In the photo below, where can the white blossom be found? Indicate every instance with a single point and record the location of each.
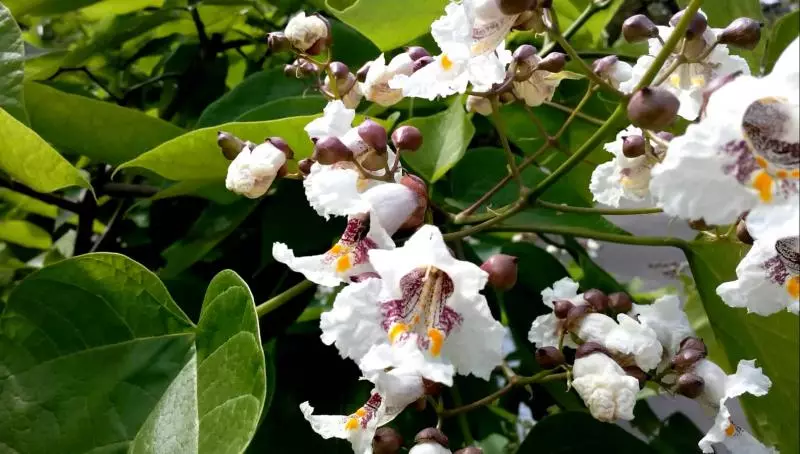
(666, 318)
(429, 447)
(604, 386)
(376, 85)
(251, 173)
(541, 85)
(304, 31)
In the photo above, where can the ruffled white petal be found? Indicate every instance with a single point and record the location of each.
(303, 31)
(353, 324)
(604, 386)
(623, 182)
(334, 191)
(335, 121)
(666, 318)
(633, 338)
(251, 173)
(429, 448)
(408, 356)
(562, 289)
(476, 346)
(376, 84)
(330, 426)
(546, 332)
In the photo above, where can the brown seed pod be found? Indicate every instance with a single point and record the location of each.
(281, 144)
(590, 348)
(743, 32)
(561, 308)
(639, 28)
(685, 359)
(653, 108)
(373, 134)
(554, 62)
(690, 385)
(230, 145)
(407, 138)
(330, 150)
(636, 373)
(502, 270)
(417, 52)
(693, 343)
(549, 357)
(432, 435)
(386, 441)
(620, 302)
(304, 165)
(577, 313)
(697, 26)
(514, 7)
(634, 146)
(597, 299)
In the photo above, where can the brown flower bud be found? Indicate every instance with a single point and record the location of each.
(597, 299)
(290, 71)
(420, 189)
(639, 28)
(524, 52)
(653, 108)
(590, 348)
(386, 441)
(554, 62)
(694, 343)
(603, 65)
(407, 138)
(281, 144)
(576, 314)
(361, 74)
(373, 134)
(697, 26)
(421, 63)
(742, 234)
(743, 32)
(620, 302)
(502, 271)
(417, 52)
(305, 165)
(278, 42)
(432, 435)
(339, 70)
(633, 146)
(665, 136)
(513, 7)
(690, 385)
(636, 373)
(685, 359)
(330, 150)
(230, 145)
(549, 357)
(470, 450)
(561, 308)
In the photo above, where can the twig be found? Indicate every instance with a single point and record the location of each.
(579, 22)
(580, 115)
(603, 211)
(128, 190)
(52, 199)
(283, 298)
(501, 131)
(92, 77)
(83, 239)
(595, 235)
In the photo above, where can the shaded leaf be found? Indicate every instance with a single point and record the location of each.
(11, 66)
(45, 7)
(785, 30)
(291, 106)
(677, 435)
(579, 433)
(24, 234)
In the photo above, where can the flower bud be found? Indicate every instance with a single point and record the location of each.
(693, 343)
(281, 144)
(577, 313)
(330, 150)
(603, 65)
(620, 302)
(278, 42)
(697, 26)
(698, 224)
(230, 145)
(514, 7)
(361, 74)
(339, 70)
(432, 435)
(502, 271)
(524, 53)
(639, 28)
(417, 52)
(420, 189)
(636, 373)
(742, 234)
(386, 441)
(653, 108)
(373, 135)
(597, 299)
(549, 357)
(309, 34)
(685, 359)
(743, 32)
(589, 348)
(633, 146)
(421, 63)
(554, 62)
(690, 385)
(305, 165)
(291, 71)
(470, 450)
(479, 104)
(561, 308)
(407, 138)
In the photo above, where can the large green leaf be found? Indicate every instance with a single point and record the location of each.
(579, 433)
(102, 131)
(26, 157)
(95, 356)
(11, 66)
(772, 341)
(45, 7)
(446, 136)
(27, 204)
(25, 234)
(292, 106)
(786, 30)
(390, 24)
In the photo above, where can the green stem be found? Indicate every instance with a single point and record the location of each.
(283, 298)
(462, 418)
(501, 131)
(579, 22)
(594, 235)
(604, 211)
(569, 110)
(586, 96)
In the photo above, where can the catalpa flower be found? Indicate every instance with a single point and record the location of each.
(768, 277)
(425, 305)
(470, 35)
(306, 31)
(252, 172)
(745, 153)
(608, 392)
(688, 81)
(667, 319)
(376, 84)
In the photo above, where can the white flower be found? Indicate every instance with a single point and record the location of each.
(743, 154)
(689, 80)
(377, 214)
(625, 182)
(304, 31)
(718, 388)
(617, 73)
(430, 447)
(666, 318)
(546, 329)
(768, 277)
(352, 98)
(604, 386)
(251, 173)
(541, 85)
(376, 85)
(635, 339)
(335, 121)
(479, 104)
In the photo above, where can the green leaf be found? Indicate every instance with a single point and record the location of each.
(390, 24)
(27, 158)
(45, 7)
(677, 435)
(102, 131)
(785, 30)
(28, 204)
(446, 137)
(292, 106)
(97, 357)
(11, 66)
(24, 234)
(772, 341)
(255, 91)
(579, 433)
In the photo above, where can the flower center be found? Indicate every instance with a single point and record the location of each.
(364, 415)
(422, 310)
(784, 268)
(446, 63)
(351, 249)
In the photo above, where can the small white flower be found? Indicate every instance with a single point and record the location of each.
(768, 277)
(625, 182)
(251, 173)
(479, 104)
(635, 339)
(430, 447)
(744, 153)
(689, 80)
(541, 85)
(376, 85)
(604, 386)
(335, 121)
(546, 330)
(617, 73)
(352, 98)
(666, 318)
(304, 31)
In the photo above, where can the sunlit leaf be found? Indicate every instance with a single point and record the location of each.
(24, 234)
(11, 64)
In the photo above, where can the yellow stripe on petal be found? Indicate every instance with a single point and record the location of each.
(793, 287)
(352, 424)
(336, 249)
(762, 162)
(763, 184)
(730, 430)
(446, 63)
(437, 339)
(396, 330)
(361, 412)
(343, 264)
(698, 81)
(796, 173)
(675, 80)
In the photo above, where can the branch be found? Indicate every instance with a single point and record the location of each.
(594, 235)
(501, 131)
(60, 202)
(567, 109)
(579, 22)
(83, 239)
(603, 211)
(283, 298)
(128, 190)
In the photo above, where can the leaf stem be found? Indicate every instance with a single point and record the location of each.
(576, 25)
(570, 110)
(603, 211)
(52, 199)
(499, 124)
(282, 298)
(594, 235)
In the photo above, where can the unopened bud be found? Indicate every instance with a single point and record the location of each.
(690, 385)
(653, 108)
(636, 373)
(620, 302)
(639, 28)
(685, 359)
(230, 145)
(281, 144)
(693, 343)
(743, 32)
(524, 53)
(386, 441)
(590, 348)
(502, 271)
(597, 299)
(633, 146)
(421, 63)
(549, 357)
(339, 70)
(742, 234)
(479, 104)
(361, 74)
(420, 189)
(278, 42)
(432, 435)
(470, 450)
(373, 134)
(330, 150)
(305, 165)
(407, 138)
(514, 7)
(554, 62)
(542, 4)
(417, 52)
(603, 65)
(561, 308)
(290, 71)
(576, 314)
(697, 26)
